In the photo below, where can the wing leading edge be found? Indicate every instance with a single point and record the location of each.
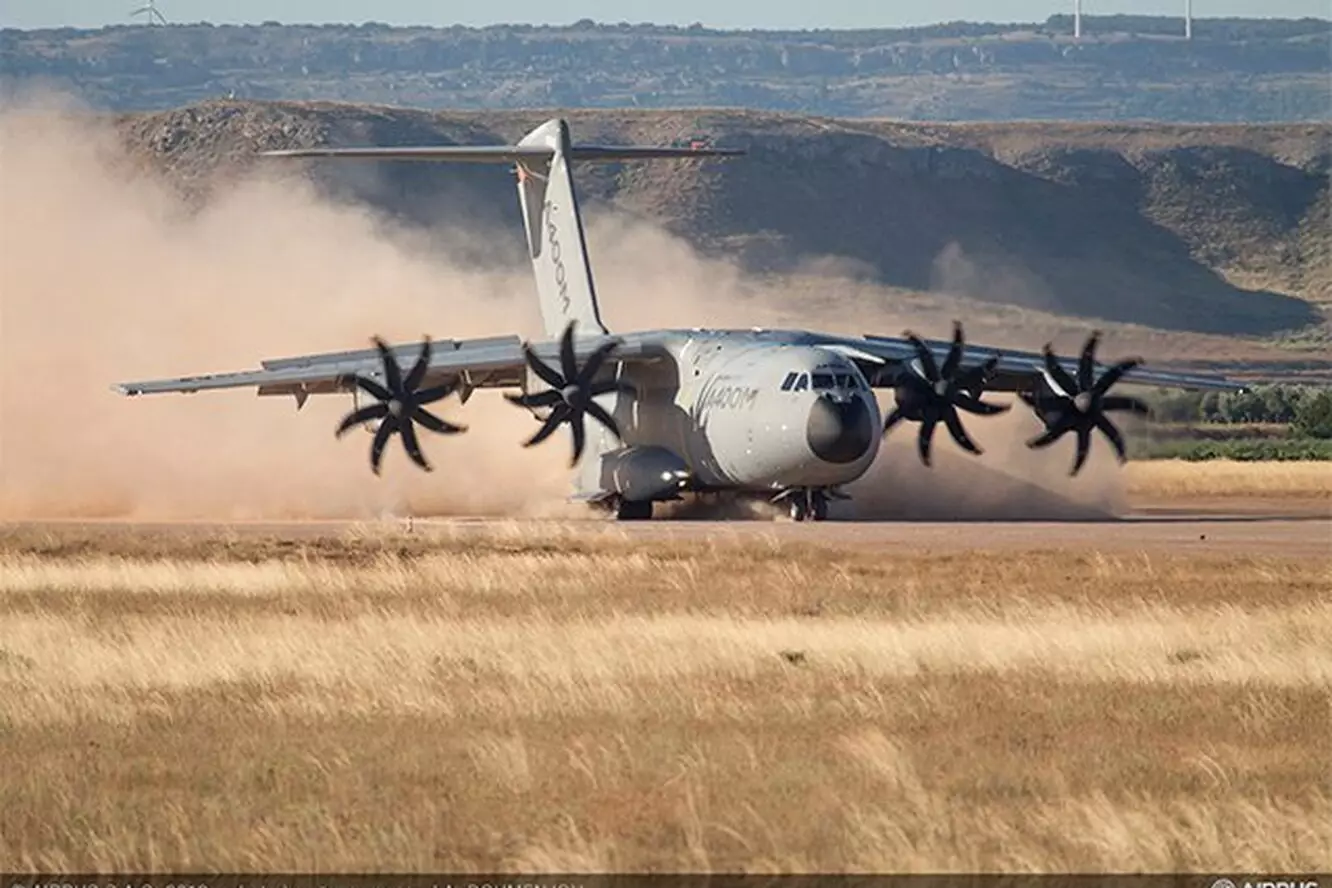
(478, 363)
(1016, 370)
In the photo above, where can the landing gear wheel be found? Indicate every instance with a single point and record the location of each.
(633, 510)
(799, 511)
(818, 502)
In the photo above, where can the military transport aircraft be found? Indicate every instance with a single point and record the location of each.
(789, 415)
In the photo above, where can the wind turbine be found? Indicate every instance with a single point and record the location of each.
(151, 13)
(1077, 19)
(1188, 19)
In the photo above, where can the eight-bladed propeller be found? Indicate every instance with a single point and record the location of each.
(571, 393)
(1079, 405)
(399, 406)
(930, 394)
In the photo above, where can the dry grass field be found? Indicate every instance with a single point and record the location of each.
(1180, 479)
(540, 697)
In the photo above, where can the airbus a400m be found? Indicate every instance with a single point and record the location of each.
(789, 415)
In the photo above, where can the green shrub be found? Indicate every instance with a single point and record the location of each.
(1263, 404)
(1241, 449)
(1313, 416)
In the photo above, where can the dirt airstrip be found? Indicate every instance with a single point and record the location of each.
(1282, 529)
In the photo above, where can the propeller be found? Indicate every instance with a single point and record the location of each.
(1079, 405)
(571, 392)
(400, 406)
(931, 394)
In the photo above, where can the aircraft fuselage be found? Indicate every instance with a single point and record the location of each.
(746, 412)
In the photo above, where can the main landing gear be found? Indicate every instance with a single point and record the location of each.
(633, 510)
(807, 505)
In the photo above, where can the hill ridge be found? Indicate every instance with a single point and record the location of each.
(1157, 226)
(1124, 67)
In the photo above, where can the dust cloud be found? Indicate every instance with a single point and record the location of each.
(106, 276)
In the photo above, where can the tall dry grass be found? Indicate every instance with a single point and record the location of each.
(1174, 478)
(548, 698)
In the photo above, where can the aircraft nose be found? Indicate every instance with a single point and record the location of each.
(839, 431)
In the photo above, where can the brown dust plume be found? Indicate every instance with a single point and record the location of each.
(107, 277)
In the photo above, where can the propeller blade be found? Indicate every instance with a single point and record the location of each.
(417, 374)
(373, 389)
(392, 374)
(413, 446)
(595, 360)
(568, 359)
(1063, 383)
(1087, 362)
(1116, 439)
(954, 354)
(537, 399)
(579, 437)
(434, 423)
(600, 415)
(557, 416)
(979, 407)
(954, 424)
(893, 419)
(1120, 402)
(1084, 449)
(546, 374)
(431, 395)
(364, 415)
(386, 430)
(1113, 375)
(976, 377)
(926, 357)
(1054, 432)
(924, 439)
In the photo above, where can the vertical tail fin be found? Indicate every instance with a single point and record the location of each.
(554, 228)
(550, 208)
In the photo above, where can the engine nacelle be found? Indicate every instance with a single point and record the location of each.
(643, 473)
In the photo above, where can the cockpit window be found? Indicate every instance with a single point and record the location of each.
(799, 382)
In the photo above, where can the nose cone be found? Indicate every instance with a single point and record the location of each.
(839, 432)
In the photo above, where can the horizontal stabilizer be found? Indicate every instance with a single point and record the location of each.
(506, 153)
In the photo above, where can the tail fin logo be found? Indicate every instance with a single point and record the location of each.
(552, 237)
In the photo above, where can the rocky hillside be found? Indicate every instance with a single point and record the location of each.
(1206, 229)
(1123, 67)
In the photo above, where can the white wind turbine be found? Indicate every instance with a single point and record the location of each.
(151, 13)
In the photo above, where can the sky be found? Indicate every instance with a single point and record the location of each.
(731, 14)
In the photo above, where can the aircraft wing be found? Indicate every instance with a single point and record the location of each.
(474, 363)
(1016, 370)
